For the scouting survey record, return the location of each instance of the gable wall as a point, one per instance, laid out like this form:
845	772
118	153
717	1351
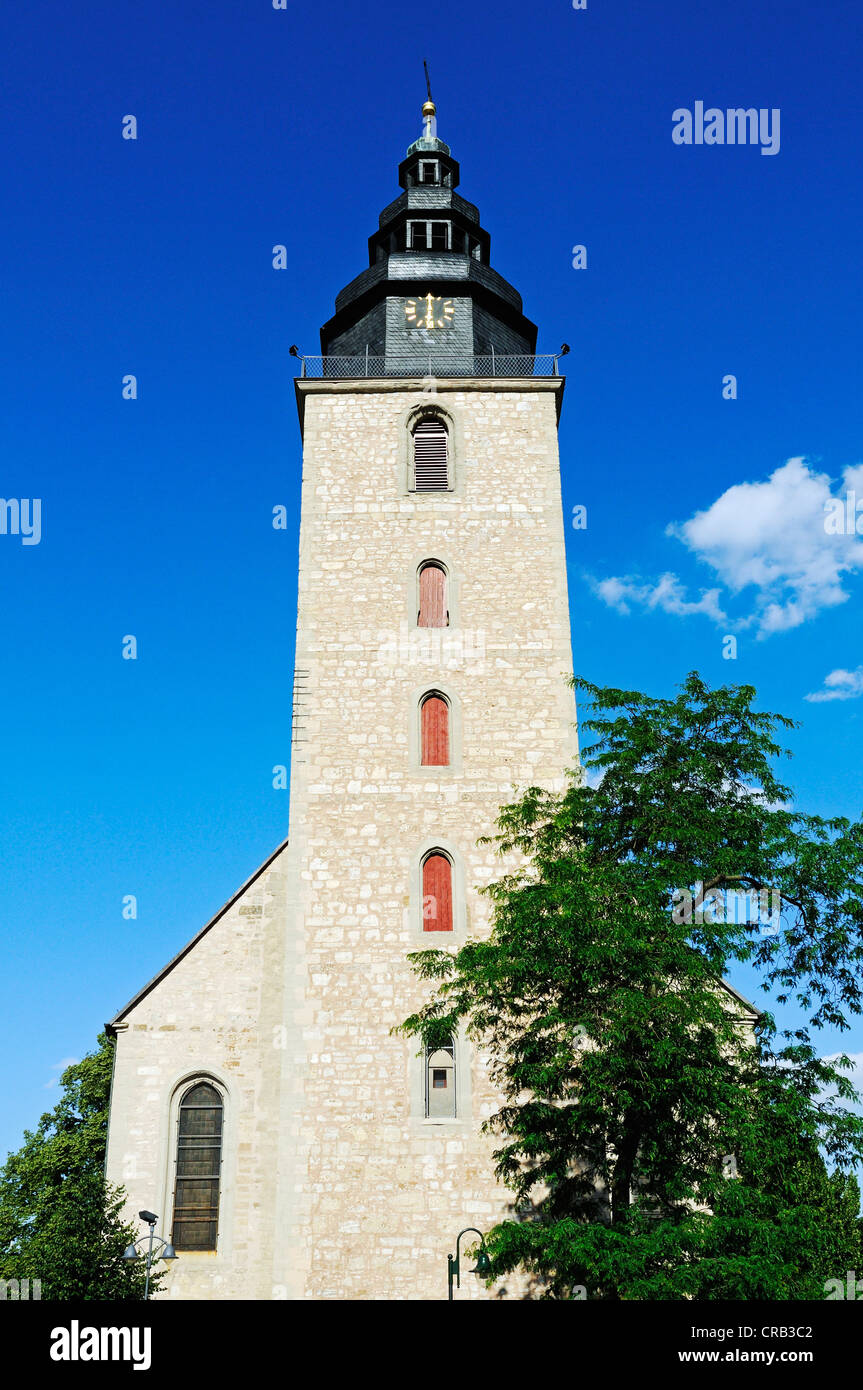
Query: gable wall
216	1012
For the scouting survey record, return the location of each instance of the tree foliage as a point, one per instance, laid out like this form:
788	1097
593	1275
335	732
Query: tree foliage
627	1072
60	1220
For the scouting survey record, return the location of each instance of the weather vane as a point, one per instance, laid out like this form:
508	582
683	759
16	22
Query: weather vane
429	113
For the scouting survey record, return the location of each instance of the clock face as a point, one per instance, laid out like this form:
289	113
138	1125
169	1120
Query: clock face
429	311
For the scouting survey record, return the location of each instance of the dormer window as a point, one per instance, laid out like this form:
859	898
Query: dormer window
429	236
429	171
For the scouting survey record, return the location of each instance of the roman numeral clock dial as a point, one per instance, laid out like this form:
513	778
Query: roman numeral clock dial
429	311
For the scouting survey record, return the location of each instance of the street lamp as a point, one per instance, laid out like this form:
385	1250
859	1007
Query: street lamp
483	1263
166	1252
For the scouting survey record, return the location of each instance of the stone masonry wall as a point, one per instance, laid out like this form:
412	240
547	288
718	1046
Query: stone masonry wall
334	1185
373	1195
216	1013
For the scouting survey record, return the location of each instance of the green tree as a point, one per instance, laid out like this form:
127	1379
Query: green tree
628	1072
59	1219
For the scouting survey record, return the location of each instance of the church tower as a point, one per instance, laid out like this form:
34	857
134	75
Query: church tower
292	1145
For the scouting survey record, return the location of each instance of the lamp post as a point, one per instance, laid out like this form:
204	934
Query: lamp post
165	1252
483	1263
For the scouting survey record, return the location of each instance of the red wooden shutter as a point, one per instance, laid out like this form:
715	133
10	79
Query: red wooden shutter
430	456
432	598
437	893
435	731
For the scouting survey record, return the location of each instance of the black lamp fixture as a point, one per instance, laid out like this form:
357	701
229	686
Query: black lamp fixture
561	352
293	350
482	1268
166	1250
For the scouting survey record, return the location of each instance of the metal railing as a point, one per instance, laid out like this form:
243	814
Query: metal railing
430	364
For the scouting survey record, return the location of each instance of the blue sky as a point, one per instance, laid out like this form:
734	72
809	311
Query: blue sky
153	257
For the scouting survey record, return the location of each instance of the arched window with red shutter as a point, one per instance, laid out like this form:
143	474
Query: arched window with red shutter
437	892
434	729
433	598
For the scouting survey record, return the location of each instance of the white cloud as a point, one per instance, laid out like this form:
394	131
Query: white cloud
667	593
59	1068
768	536
854	1075
759	794
840	685
593	777
771	535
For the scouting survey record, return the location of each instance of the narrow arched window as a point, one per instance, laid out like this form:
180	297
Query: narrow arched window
440	1096
434	728
199	1161
433	602
431	455
437	892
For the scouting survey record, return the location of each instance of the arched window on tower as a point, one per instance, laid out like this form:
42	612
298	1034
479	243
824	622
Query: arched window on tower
433	610
437	891
434	730
440	1096
199	1161
431	455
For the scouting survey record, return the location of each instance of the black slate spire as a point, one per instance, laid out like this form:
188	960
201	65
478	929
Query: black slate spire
429	286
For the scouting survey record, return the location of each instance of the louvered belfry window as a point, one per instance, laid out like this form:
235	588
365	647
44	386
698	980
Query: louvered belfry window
437	892
199	1160
433	610
434	717
431	473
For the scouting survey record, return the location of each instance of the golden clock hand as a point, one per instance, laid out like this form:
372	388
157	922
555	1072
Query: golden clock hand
429	323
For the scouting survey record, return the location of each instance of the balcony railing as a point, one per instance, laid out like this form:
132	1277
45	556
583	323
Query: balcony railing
430	364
